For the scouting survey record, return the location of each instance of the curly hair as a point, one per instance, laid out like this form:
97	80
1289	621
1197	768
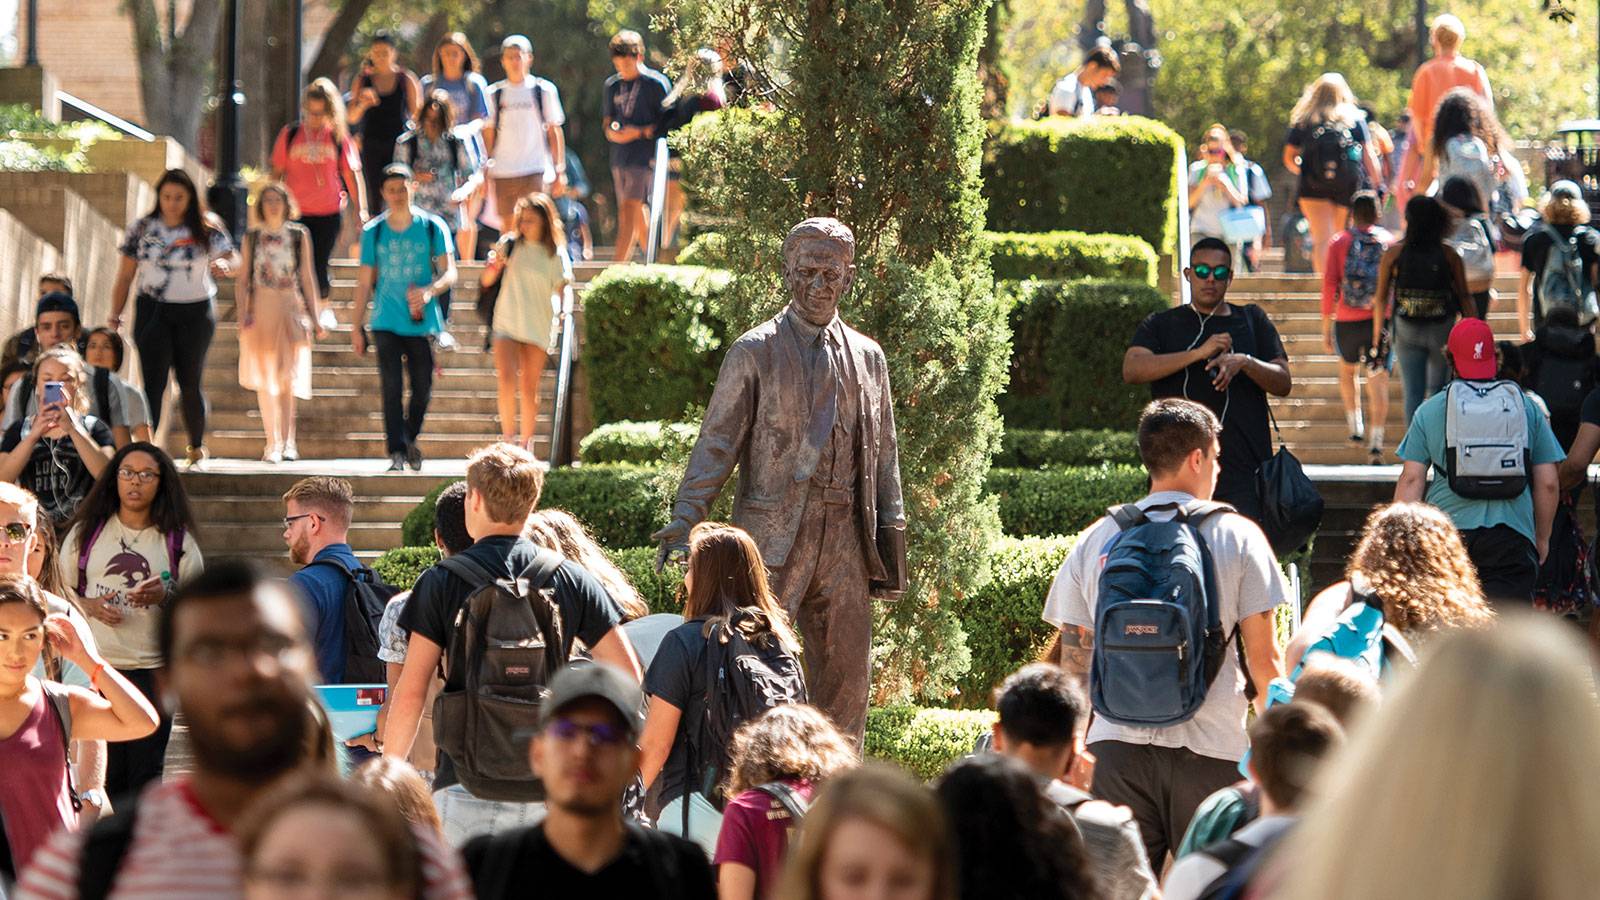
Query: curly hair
1462	112
1412	557
791	741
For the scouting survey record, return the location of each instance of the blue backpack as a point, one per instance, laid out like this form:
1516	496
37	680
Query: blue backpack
1361	636
1158	641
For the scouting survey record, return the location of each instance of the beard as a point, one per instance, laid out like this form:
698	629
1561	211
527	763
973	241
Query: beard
279	749
300	551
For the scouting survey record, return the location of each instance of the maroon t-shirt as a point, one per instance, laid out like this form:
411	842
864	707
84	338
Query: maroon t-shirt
34	800
755	833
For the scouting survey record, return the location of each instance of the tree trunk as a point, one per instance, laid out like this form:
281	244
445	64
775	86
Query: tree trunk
1140	61
336	41
170	69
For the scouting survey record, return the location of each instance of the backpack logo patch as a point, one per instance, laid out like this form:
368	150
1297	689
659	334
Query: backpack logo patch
1140	630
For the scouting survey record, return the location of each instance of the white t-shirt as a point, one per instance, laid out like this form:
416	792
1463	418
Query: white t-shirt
1191	875
1069	98
172	266
520	144
120	559
1249	582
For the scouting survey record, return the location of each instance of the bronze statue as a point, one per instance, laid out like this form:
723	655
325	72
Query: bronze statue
802	406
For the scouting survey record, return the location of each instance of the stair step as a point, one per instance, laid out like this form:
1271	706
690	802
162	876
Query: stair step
361	444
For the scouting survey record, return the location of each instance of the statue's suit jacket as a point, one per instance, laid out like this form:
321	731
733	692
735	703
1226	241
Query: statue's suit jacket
757	419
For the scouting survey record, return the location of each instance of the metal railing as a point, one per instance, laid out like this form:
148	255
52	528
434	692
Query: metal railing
80	109
658	203
560	415
1180	184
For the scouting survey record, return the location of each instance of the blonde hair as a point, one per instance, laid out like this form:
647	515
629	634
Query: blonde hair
540	202
727	579
324	90
1328	99
1227	141
888	798
291	210
559	530
508	478
26	502
1563	210
790	741
396	781
1412	557
331	497
1472	778
77	374
1448	32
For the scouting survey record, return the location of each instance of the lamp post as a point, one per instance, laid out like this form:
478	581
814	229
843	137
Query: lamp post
228	194
1422	32
297	36
32	59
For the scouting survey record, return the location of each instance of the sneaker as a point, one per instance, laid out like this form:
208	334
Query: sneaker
1375	456
413	458
272	455
290	452
397	462
446	341
193	457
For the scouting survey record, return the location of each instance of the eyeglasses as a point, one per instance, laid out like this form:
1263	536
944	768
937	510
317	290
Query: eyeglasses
16	532
288	521
143	477
600	734
1204	272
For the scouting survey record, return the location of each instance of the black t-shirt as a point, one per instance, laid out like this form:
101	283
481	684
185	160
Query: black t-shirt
630	876
55	472
1246	437
1536	246
587	611
677	675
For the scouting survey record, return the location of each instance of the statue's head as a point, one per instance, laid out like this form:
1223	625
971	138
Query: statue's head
818	267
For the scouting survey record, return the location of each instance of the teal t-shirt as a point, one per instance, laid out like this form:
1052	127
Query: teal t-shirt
1424	443
404	260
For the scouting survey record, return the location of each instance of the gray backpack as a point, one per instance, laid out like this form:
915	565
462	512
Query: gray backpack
1486	444
1564	280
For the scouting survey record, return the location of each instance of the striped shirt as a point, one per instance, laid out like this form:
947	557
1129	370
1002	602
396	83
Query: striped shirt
185	854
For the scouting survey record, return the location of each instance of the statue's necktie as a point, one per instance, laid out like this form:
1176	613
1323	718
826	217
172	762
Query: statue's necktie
824	407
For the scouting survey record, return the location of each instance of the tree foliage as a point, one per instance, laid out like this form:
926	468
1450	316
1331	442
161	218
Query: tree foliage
874	120
174	62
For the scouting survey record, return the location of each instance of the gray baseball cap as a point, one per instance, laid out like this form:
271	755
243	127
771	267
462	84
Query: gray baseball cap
517	42
583	680
1565	189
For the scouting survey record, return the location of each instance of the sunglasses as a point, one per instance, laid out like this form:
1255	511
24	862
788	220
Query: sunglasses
1205	272
16	532
601	734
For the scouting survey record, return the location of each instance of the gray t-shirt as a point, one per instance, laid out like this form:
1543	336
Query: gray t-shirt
1111	838
1249	582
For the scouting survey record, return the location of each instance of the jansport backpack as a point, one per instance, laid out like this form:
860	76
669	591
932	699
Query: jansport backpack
364	601
1361	269
1158	641
507	643
1564	280
1486	447
1332	161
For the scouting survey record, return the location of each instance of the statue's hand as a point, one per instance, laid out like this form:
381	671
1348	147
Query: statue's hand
674	541
883	593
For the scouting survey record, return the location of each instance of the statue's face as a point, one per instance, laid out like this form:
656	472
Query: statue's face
818	273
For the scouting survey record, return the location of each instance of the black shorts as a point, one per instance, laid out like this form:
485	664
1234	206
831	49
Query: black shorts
1353	339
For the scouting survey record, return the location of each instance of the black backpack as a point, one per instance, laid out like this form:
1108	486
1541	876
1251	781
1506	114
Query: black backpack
1331	161
744	679
1565	374
364	601
506	644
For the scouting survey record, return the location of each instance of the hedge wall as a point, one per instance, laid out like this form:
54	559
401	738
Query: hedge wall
1004	630
925	741
1070	255
1027	448
1061	501
652	341
1068	340
643	443
1103	175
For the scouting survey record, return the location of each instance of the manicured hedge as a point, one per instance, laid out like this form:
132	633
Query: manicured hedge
1104	175
636	442
416	530
403	565
1068	339
709	250
925	741
1070	255
1004	631
1061	501
652	343
659	589
1027	448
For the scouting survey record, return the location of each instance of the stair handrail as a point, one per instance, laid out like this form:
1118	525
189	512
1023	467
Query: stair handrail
560	430
658	203
1180	185
112	120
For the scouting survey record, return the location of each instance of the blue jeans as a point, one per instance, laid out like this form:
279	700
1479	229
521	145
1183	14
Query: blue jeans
1419	348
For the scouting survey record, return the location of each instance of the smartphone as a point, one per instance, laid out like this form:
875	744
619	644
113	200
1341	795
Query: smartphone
55	393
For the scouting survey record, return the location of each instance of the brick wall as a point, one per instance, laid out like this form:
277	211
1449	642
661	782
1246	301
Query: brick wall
83	244
117	196
24	256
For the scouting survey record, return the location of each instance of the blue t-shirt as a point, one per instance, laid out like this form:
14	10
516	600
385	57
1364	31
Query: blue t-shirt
1424	443
406	262
468	95
636	102
323	590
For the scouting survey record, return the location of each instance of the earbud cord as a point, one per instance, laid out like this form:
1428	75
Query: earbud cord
1227	393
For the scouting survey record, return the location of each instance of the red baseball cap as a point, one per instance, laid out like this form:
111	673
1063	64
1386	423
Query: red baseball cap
1472	349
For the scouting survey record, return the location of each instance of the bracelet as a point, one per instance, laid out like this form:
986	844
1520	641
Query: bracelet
94	677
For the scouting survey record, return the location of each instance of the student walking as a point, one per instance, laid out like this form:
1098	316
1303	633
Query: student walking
1349	289
457	72
1560	261
528	153
385	99
1470	235
320	164
1073	95
1446	71
59	452
106	351
278	315
170	260
316	528
407	264
1218	182
531	267
1329	148
56	324
698	91
130	545
444	164
631	115
1422	287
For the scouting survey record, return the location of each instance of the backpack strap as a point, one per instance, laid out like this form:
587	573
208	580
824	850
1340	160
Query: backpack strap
103	851
175	541
102	391
61	701
787	797
1127	516
83	556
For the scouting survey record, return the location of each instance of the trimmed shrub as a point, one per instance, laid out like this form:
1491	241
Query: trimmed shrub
1025	448
652	344
645	443
709	250
402	566
925	741
1068	340
1102	175
622	504
416	530
659	590
1070	255
1004	630
1061	501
